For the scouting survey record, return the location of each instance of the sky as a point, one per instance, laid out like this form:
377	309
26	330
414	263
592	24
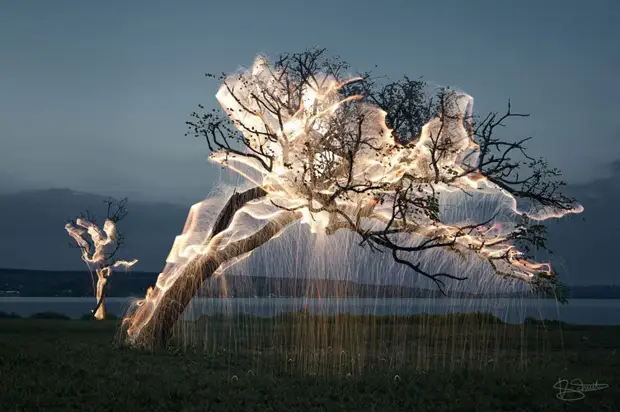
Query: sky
94	95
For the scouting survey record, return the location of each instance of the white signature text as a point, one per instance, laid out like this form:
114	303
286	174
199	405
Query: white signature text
575	390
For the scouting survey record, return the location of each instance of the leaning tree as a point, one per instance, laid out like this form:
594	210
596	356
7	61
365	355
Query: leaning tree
99	247
361	155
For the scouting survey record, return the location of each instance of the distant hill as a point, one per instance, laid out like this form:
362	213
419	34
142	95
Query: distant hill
584	244
32	235
41	283
16	282
25	283
32	231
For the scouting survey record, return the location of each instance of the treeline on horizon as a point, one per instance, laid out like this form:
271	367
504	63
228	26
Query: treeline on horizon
34	283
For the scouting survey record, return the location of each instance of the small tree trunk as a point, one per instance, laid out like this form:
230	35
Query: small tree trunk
101	282
100	311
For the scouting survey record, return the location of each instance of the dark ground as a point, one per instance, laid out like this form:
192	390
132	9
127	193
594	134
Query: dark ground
305	363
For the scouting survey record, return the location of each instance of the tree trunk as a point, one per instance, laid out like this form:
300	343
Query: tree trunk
158	330
100	309
100	293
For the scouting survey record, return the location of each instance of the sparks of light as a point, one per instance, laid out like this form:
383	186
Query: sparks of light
381	162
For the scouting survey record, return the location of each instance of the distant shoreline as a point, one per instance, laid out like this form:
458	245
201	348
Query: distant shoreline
510	310
44	283
483	297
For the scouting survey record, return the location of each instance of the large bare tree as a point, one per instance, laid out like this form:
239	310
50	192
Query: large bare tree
364	155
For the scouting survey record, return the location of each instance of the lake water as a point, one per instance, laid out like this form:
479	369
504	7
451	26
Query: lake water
577	311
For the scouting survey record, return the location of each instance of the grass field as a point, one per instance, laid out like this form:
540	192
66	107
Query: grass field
308	363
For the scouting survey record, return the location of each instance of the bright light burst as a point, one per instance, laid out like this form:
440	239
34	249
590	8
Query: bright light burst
324	156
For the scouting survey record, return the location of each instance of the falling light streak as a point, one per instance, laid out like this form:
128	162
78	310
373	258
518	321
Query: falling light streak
318	104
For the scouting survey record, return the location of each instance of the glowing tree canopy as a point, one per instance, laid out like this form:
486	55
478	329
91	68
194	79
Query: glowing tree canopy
340	152
99	251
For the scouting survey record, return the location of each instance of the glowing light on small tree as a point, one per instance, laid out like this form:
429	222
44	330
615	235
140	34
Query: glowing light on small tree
99	251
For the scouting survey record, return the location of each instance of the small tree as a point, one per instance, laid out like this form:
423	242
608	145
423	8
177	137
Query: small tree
99	247
350	153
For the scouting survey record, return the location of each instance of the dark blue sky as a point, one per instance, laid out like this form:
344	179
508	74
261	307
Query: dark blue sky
94	95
